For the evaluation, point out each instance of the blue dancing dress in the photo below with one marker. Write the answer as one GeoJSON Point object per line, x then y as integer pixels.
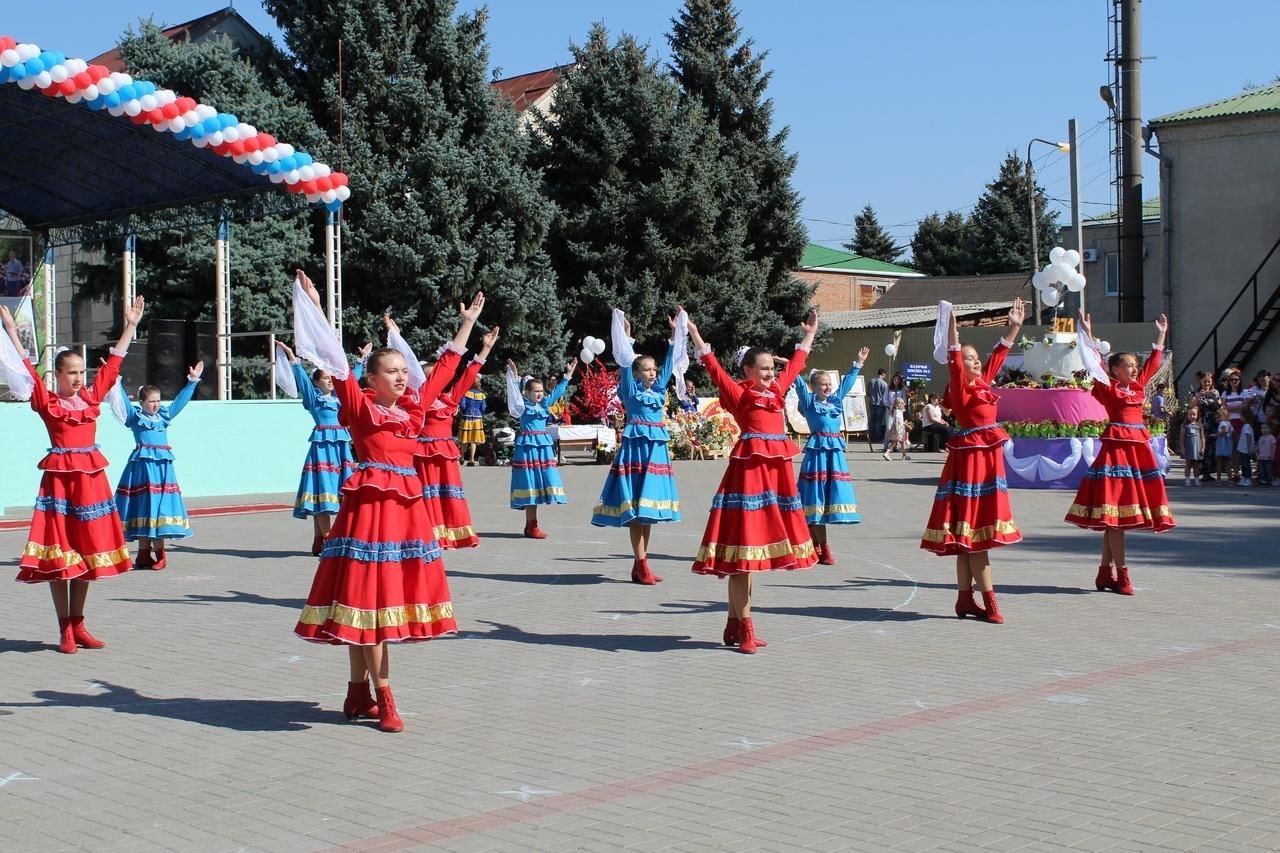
{"type": "Point", "coordinates": [535, 478]}
{"type": "Point", "coordinates": [148, 498]}
{"type": "Point", "coordinates": [329, 460]}
{"type": "Point", "coordinates": [826, 489]}
{"type": "Point", "coordinates": [640, 486]}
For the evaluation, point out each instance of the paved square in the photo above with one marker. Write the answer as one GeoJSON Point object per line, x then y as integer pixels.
{"type": "Point", "coordinates": [580, 712]}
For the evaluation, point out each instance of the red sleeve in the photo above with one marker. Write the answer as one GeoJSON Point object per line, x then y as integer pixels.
{"type": "Point", "coordinates": [350, 398]}
{"type": "Point", "coordinates": [441, 374]}
{"type": "Point", "coordinates": [105, 378]}
{"type": "Point", "coordinates": [730, 393]}
{"type": "Point", "coordinates": [957, 391]}
{"type": "Point", "coordinates": [466, 380]}
{"type": "Point", "coordinates": [995, 361]}
{"type": "Point", "coordinates": [789, 373]}
{"type": "Point", "coordinates": [1149, 369]}
{"type": "Point", "coordinates": [39, 394]}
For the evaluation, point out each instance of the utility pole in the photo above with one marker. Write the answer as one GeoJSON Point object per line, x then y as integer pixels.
{"type": "Point", "coordinates": [1130, 61]}
{"type": "Point", "coordinates": [1077, 227]}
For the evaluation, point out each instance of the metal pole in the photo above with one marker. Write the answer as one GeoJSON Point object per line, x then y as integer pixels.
{"type": "Point", "coordinates": [333, 268]}
{"type": "Point", "coordinates": [50, 310]}
{"type": "Point", "coordinates": [1131, 295]}
{"type": "Point", "coordinates": [1035, 250]}
{"type": "Point", "coordinates": [129, 270]}
{"type": "Point", "coordinates": [222, 306]}
{"type": "Point", "coordinates": [1077, 227]}
{"type": "Point", "coordinates": [271, 360]}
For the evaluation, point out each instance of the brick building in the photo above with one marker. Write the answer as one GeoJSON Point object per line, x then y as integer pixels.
{"type": "Point", "coordinates": [848, 282]}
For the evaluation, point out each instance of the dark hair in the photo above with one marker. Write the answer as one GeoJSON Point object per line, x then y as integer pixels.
{"type": "Point", "coordinates": [63, 356]}
{"type": "Point", "coordinates": [146, 391]}
{"type": "Point", "coordinates": [530, 382]}
{"type": "Point", "coordinates": [317, 373]}
{"type": "Point", "coordinates": [375, 357]}
{"type": "Point", "coordinates": [640, 358]}
{"type": "Point", "coordinates": [1116, 357]}
{"type": "Point", "coordinates": [882, 372]}
{"type": "Point", "coordinates": [897, 381]}
{"type": "Point", "coordinates": [752, 355]}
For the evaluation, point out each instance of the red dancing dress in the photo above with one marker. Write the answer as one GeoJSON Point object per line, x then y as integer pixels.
{"type": "Point", "coordinates": [1124, 487]}
{"type": "Point", "coordinates": [757, 521]}
{"type": "Point", "coordinates": [437, 465]}
{"type": "Point", "coordinates": [971, 509]}
{"type": "Point", "coordinates": [76, 533]}
{"type": "Point", "coordinates": [379, 580]}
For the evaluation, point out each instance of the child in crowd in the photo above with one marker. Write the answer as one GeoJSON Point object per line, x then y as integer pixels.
{"type": "Point", "coordinates": [1192, 446]}
{"type": "Point", "coordinates": [898, 437]}
{"type": "Point", "coordinates": [1266, 457]}
{"type": "Point", "coordinates": [1223, 445]}
{"type": "Point", "coordinates": [1246, 446]}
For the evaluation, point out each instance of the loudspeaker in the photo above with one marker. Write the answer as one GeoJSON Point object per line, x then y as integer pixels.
{"type": "Point", "coordinates": [203, 341]}
{"type": "Point", "coordinates": [166, 356]}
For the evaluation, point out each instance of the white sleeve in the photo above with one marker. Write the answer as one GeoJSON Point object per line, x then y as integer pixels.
{"type": "Point", "coordinates": [624, 351]}
{"type": "Point", "coordinates": [941, 332]}
{"type": "Point", "coordinates": [515, 397]}
{"type": "Point", "coordinates": [1091, 357]}
{"type": "Point", "coordinates": [680, 354]}
{"type": "Point", "coordinates": [284, 374]}
{"type": "Point", "coordinates": [14, 370]}
{"type": "Point", "coordinates": [417, 378]}
{"type": "Point", "coordinates": [316, 340]}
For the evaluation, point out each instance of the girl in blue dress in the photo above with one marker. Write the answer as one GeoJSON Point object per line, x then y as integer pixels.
{"type": "Point", "coordinates": [148, 498]}
{"type": "Point", "coordinates": [535, 479]}
{"type": "Point", "coordinates": [329, 461]}
{"type": "Point", "coordinates": [826, 489]}
{"type": "Point", "coordinates": [640, 490]}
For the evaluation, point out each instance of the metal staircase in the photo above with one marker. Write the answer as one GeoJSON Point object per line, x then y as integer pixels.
{"type": "Point", "coordinates": [1258, 323]}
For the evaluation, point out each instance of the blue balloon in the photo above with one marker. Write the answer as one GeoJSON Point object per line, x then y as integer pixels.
{"type": "Point", "coordinates": [34, 65]}
{"type": "Point", "coordinates": [144, 88]}
{"type": "Point", "coordinates": [183, 134]}
{"type": "Point", "coordinates": [274, 168]}
{"type": "Point", "coordinates": [112, 100]}
{"type": "Point", "coordinates": [260, 168]}
{"type": "Point", "coordinates": [302, 158]}
{"type": "Point", "coordinates": [334, 205]}
{"type": "Point", "coordinates": [126, 93]}
{"type": "Point", "coordinates": [211, 125]}
{"type": "Point", "coordinates": [227, 120]}
{"type": "Point", "coordinates": [197, 130]}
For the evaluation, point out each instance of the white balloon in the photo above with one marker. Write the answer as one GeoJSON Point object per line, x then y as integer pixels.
{"type": "Point", "coordinates": [587, 356]}
{"type": "Point", "coordinates": [205, 111]}
{"type": "Point", "coordinates": [190, 118]}
{"type": "Point", "coordinates": [1076, 283]}
{"type": "Point", "coordinates": [161, 127]}
{"type": "Point", "coordinates": [1056, 254]}
{"type": "Point", "coordinates": [1062, 273]}
{"type": "Point", "coordinates": [587, 341]}
{"type": "Point", "coordinates": [176, 125]}
{"type": "Point", "coordinates": [26, 82]}
{"type": "Point", "coordinates": [200, 141]}
{"type": "Point", "coordinates": [8, 58]}
{"type": "Point", "coordinates": [285, 149]}
{"type": "Point", "coordinates": [276, 177]}
{"type": "Point", "coordinates": [44, 80]}
{"type": "Point", "coordinates": [240, 158]}
{"type": "Point", "coordinates": [73, 98]}
{"type": "Point", "coordinates": [132, 108]}
{"type": "Point", "coordinates": [28, 51]}
{"type": "Point", "coordinates": [148, 102]}
{"type": "Point", "coordinates": [255, 158]}
{"type": "Point", "coordinates": [76, 66]}
{"type": "Point", "coordinates": [322, 170]}
{"type": "Point", "coordinates": [1104, 347]}
{"type": "Point", "coordinates": [292, 177]}
{"type": "Point", "coordinates": [106, 85]}
{"type": "Point", "coordinates": [597, 346]}
{"type": "Point", "coordinates": [1039, 280]}
{"type": "Point", "coordinates": [230, 134]}
{"type": "Point", "coordinates": [165, 97]}
{"type": "Point", "coordinates": [1072, 258]}
{"type": "Point", "coordinates": [91, 92]}
{"type": "Point", "coordinates": [270, 155]}
{"type": "Point", "coordinates": [58, 73]}
{"type": "Point", "coordinates": [214, 138]}
{"type": "Point", "coordinates": [344, 193]}
{"type": "Point", "coordinates": [329, 196]}
{"type": "Point", "coordinates": [313, 197]}
{"type": "Point", "coordinates": [890, 350]}
{"type": "Point", "coordinates": [1050, 296]}
{"type": "Point", "coordinates": [307, 173]}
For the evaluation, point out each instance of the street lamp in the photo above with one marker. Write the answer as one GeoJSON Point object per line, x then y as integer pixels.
{"type": "Point", "coordinates": [1064, 147]}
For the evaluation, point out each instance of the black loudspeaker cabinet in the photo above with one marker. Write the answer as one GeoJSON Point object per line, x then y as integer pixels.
{"type": "Point", "coordinates": [203, 342]}
{"type": "Point", "coordinates": [166, 356]}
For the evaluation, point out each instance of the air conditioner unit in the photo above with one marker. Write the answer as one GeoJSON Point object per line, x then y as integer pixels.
{"type": "Point", "coordinates": [1090, 256]}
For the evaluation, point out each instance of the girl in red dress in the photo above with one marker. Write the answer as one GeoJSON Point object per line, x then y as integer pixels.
{"type": "Point", "coordinates": [438, 453]}
{"type": "Point", "coordinates": [757, 523]}
{"type": "Point", "coordinates": [381, 578]}
{"type": "Point", "coordinates": [76, 535]}
{"type": "Point", "coordinates": [1124, 487]}
{"type": "Point", "coordinates": [971, 512]}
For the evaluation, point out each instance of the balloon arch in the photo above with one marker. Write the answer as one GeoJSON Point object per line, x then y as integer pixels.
{"type": "Point", "coordinates": [183, 119]}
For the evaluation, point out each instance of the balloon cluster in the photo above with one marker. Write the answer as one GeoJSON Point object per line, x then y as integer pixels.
{"type": "Point", "coordinates": [591, 347]}
{"type": "Point", "coordinates": [99, 88]}
{"type": "Point", "coordinates": [1059, 272]}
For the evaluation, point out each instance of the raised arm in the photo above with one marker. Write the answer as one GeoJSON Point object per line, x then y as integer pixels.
{"type": "Point", "coordinates": [850, 378]}
{"type": "Point", "coordinates": [188, 391]}
{"type": "Point", "coordinates": [306, 388]}
{"type": "Point", "coordinates": [1157, 351]}
{"type": "Point", "coordinates": [562, 385]}
{"type": "Point", "coordinates": [442, 373]}
{"type": "Point", "coordinates": [729, 391]}
{"type": "Point", "coordinates": [469, 313]}
{"type": "Point", "coordinates": [515, 394]}
{"type": "Point", "coordinates": [803, 395]}
{"type": "Point", "coordinates": [809, 326]}
{"type": "Point", "coordinates": [996, 360]}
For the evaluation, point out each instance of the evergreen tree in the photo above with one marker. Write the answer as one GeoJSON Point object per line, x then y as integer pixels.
{"type": "Point", "coordinates": [940, 245]}
{"type": "Point", "coordinates": [870, 240]}
{"type": "Point", "coordinates": [999, 236]}
{"type": "Point", "coordinates": [443, 200]}
{"type": "Point", "coordinates": [758, 237]}
{"type": "Point", "coordinates": [175, 269]}
{"type": "Point", "coordinates": [629, 175]}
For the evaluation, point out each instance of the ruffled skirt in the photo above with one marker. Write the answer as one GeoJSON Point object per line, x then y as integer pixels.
{"type": "Point", "coordinates": [756, 523]}
{"type": "Point", "coordinates": [1123, 489]}
{"type": "Point", "coordinates": [446, 502]}
{"type": "Point", "coordinates": [826, 489]}
{"type": "Point", "coordinates": [328, 465]}
{"type": "Point", "coordinates": [971, 510]}
{"type": "Point", "coordinates": [75, 531]}
{"type": "Point", "coordinates": [150, 502]}
{"type": "Point", "coordinates": [640, 486]}
{"type": "Point", "coordinates": [535, 476]}
{"type": "Point", "coordinates": [378, 579]}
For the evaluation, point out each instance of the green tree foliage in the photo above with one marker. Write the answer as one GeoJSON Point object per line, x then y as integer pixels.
{"type": "Point", "coordinates": [999, 233]}
{"type": "Point", "coordinates": [758, 238]}
{"type": "Point", "coordinates": [443, 201]}
{"type": "Point", "coordinates": [939, 246]}
{"type": "Point", "coordinates": [870, 240]}
{"type": "Point", "coordinates": [175, 269]}
{"type": "Point", "coordinates": [631, 177]}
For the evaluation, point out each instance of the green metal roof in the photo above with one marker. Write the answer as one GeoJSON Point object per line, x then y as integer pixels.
{"type": "Point", "coordinates": [816, 256]}
{"type": "Point", "coordinates": [1264, 100]}
{"type": "Point", "coordinates": [1150, 210]}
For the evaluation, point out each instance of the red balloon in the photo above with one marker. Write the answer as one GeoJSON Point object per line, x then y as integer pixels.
{"type": "Point", "coordinates": [250, 144]}
{"type": "Point", "coordinates": [185, 105]}
{"type": "Point", "coordinates": [7, 43]}
{"type": "Point", "coordinates": [265, 141]}
{"type": "Point", "coordinates": [155, 116]}
{"type": "Point", "coordinates": [97, 72]}
{"type": "Point", "coordinates": [67, 87]}
{"type": "Point", "coordinates": [140, 118]}
{"type": "Point", "coordinates": [83, 80]}
{"type": "Point", "coordinates": [324, 184]}
{"type": "Point", "coordinates": [308, 187]}
{"type": "Point", "coordinates": [236, 148]}
{"type": "Point", "coordinates": [171, 111]}
{"type": "Point", "coordinates": [52, 90]}
{"type": "Point", "coordinates": [338, 179]}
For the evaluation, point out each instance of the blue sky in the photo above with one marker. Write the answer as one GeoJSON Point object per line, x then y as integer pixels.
{"type": "Point", "coordinates": [908, 106]}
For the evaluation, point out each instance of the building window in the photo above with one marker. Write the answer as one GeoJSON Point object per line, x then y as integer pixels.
{"type": "Point", "coordinates": [1111, 268]}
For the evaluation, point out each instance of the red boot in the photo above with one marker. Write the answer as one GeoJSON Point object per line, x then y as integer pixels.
{"type": "Point", "coordinates": [388, 718]}
{"type": "Point", "coordinates": [68, 638]}
{"type": "Point", "coordinates": [532, 531]}
{"type": "Point", "coordinates": [747, 642]}
{"type": "Point", "coordinates": [825, 557]}
{"type": "Point", "coordinates": [161, 562]}
{"type": "Point", "coordinates": [317, 545]}
{"type": "Point", "coordinates": [641, 574]}
{"type": "Point", "coordinates": [731, 630]}
{"type": "Point", "coordinates": [81, 635]}
{"type": "Point", "coordinates": [360, 701]}
{"type": "Point", "coordinates": [1123, 585]}
{"type": "Point", "coordinates": [1106, 579]}
{"type": "Point", "coordinates": [144, 560]}
{"type": "Point", "coordinates": [993, 613]}
{"type": "Point", "coordinates": [967, 606]}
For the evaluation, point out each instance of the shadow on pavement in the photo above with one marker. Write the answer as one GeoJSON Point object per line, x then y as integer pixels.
{"type": "Point", "coordinates": [24, 646]}
{"type": "Point", "coordinates": [242, 715]}
{"type": "Point", "coordinates": [600, 642]}
{"type": "Point", "coordinates": [232, 597]}
{"type": "Point", "coordinates": [549, 579]}
{"type": "Point", "coordinates": [1001, 588]}
{"type": "Point", "coordinates": [178, 551]}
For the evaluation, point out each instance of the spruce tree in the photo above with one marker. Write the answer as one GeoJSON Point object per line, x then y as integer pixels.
{"type": "Point", "coordinates": [999, 236]}
{"type": "Point", "coordinates": [940, 245]}
{"type": "Point", "coordinates": [175, 269]}
{"type": "Point", "coordinates": [628, 174]}
{"type": "Point", "coordinates": [443, 202]}
{"type": "Point", "coordinates": [870, 240]}
{"type": "Point", "coordinates": [759, 237]}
